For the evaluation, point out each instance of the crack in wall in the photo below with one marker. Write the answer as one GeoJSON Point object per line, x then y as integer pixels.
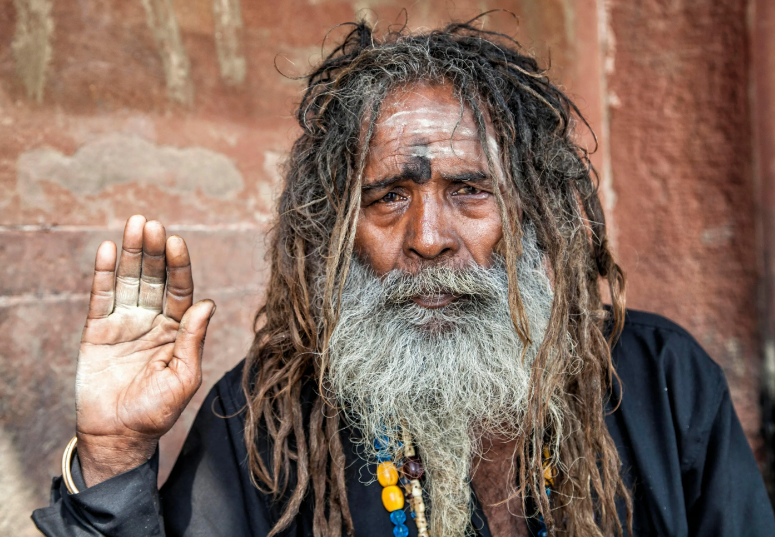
{"type": "Point", "coordinates": [31, 44]}
{"type": "Point", "coordinates": [569, 20]}
{"type": "Point", "coordinates": [228, 41]}
{"type": "Point", "coordinates": [166, 33]}
{"type": "Point", "coordinates": [607, 51]}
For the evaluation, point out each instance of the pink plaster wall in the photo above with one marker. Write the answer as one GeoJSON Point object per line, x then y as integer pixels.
{"type": "Point", "coordinates": [681, 163]}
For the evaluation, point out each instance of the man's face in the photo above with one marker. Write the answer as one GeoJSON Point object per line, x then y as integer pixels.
{"type": "Point", "coordinates": [427, 192]}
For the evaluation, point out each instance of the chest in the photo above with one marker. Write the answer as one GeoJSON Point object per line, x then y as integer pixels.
{"type": "Point", "coordinates": [493, 482]}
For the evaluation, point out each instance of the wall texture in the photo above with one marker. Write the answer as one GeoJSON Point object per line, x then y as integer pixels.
{"type": "Point", "coordinates": [175, 109]}
{"type": "Point", "coordinates": [681, 165]}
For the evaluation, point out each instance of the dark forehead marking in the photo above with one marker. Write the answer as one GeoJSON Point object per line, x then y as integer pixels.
{"type": "Point", "coordinates": [417, 169]}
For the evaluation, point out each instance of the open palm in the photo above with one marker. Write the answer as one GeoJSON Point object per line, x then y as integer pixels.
{"type": "Point", "coordinates": [140, 357]}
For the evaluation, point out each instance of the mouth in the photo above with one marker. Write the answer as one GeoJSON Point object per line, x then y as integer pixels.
{"type": "Point", "coordinates": [434, 301]}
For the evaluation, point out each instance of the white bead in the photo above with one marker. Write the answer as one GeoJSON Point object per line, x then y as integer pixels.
{"type": "Point", "coordinates": [417, 492]}
{"type": "Point", "coordinates": [419, 507]}
{"type": "Point", "coordinates": [407, 439]}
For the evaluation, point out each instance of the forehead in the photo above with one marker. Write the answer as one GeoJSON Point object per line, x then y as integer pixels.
{"type": "Point", "coordinates": [422, 120]}
{"type": "Point", "coordinates": [424, 109]}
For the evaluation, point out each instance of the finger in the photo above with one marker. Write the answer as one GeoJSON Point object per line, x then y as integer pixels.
{"type": "Point", "coordinates": [102, 293]}
{"type": "Point", "coordinates": [154, 271]}
{"type": "Point", "coordinates": [129, 266]}
{"type": "Point", "coordinates": [180, 283]}
{"type": "Point", "coordinates": [187, 354]}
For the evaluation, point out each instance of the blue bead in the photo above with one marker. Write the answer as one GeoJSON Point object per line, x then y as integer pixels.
{"type": "Point", "coordinates": [403, 480]}
{"type": "Point", "coordinates": [398, 517]}
{"type": "Point", "coordinates": [548, 492]}
{"type": "Point", "coordinates": [542, 533]}
{"type": "Point", "coordinates": [401, 531]}
{"type": "Point", "coordinates": [414, 515]}
{"type": "Point", "coordinates": [384, 456]}
{"type": "Point", "coordinates": [381, 442]}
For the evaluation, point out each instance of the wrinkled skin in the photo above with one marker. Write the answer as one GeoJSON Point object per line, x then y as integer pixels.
{"type": "Point", "coordinates": [427, 198]}
{"type": "Point", "coordinates": [138, 366]}
{"type": "Point", "coordinates": [427, 193]}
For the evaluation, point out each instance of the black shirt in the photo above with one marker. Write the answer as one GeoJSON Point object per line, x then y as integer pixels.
{"type": "Point", "coordinates": [684, 457]}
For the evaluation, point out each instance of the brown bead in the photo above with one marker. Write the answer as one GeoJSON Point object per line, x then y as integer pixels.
{"type": "Point", "coordinates": [412, 468]}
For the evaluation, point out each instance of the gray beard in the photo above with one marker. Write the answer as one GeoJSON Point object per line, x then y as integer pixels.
{"type": "Point", "coordinates": [445, 376]}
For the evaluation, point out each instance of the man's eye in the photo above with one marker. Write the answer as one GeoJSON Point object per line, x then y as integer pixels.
{"type": "Point", "coordinates": [466, 190]}
{"type": "Point", "coordinates": [390, 197]}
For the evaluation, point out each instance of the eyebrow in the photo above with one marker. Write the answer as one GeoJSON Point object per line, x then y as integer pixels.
{"type": "Point", "coordinates": [418, 169]}
{"type": "Point", "coordinates": [468, 177]}
{"type": "Point", "coordinates": [412, 173]}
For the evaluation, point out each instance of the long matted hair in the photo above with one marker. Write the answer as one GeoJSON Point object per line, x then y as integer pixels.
{"type": "Point", "coordinates": [547, 174]}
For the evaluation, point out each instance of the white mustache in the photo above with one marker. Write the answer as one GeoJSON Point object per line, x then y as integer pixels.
{"type": "Point", "coordinates": [473, 282]}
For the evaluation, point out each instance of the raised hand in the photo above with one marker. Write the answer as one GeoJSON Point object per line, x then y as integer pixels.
{"type": "Point", "coordinates": [140, 357]}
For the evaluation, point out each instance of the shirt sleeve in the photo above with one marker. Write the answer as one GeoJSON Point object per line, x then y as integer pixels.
{"type": "Point", "coordinates": [126, 505]}
{"type": "Point", "coordinates": [724, 490]}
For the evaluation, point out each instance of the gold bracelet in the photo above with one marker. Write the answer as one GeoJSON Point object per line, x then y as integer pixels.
{"type": "Point", "coordinates": [67, 461]}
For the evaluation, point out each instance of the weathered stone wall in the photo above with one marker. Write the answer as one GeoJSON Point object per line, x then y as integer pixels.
{"type": "Point", "coordinates": [174, 109]}
{"type": "Point", "coordinates": [680, 138]}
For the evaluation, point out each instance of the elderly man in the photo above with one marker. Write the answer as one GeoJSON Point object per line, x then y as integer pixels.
{"type": "Point", "coordinates": [433, 357]}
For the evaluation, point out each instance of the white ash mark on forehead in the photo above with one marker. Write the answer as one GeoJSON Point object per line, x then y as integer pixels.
{"type": "Point", "coordinates": [422, 151]}
{"type": "Point", "coordinates": [426, 118]}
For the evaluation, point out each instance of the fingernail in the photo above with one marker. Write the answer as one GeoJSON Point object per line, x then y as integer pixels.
{"type": "Point", "coordinates": [212, 311]}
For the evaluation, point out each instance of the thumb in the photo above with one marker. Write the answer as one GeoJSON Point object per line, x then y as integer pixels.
{"type": "Point", "coordinates": [187, 353]}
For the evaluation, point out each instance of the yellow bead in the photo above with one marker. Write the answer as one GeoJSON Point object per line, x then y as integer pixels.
{"type": "Point", "coordinates": [387, 474]}
{"type": "Point", "coordinates": [392, 498]}
{"type": "Point", "coordinates": [548, 475]}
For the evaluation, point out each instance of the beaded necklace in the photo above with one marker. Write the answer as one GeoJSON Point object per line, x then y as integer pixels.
{"type": "Point", "coordinates": [411, 472]}
{"type": "Point", "coordinates": [392, 497]}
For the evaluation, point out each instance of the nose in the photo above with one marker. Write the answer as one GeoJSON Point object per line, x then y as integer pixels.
{"type": "Point", "coordinates": [430, 233]}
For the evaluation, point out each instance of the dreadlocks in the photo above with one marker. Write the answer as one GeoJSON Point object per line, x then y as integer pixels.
{"type": "Point", "coordinates": [546, 173]}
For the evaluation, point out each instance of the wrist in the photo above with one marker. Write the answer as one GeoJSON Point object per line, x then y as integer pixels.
{"type": "Point", "coordinates": [103, 457]}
